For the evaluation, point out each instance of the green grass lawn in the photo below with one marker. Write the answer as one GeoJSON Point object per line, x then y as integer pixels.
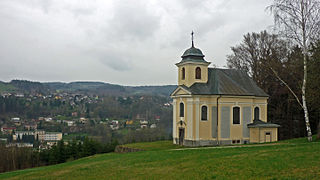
{"type": "Point", "coordinates": [72, 136]}
{"type": "Point", "coordinates": [6, 87]}
{"type": "Point", "coordinates": [297, 159]}
{"type": "Point", "coordinates": [152, 146]}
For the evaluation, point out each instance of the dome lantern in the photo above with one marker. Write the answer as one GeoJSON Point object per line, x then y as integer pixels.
{"type": "Point", "coordinates": [193, 54]}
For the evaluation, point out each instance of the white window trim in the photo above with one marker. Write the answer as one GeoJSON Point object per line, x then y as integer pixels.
{"type": "Point", "coordinates": [195, 73]}
{"type": "Point", "coordinates": [240, 118]}
{"type": "Point", "coordinates": [183, 78]}
{"type": "Point", "coordinates": [259, 112]}
{"type": "Point", "coordinates": [201, 113]}
{"type": "Point", "coordinates": [184, 109]}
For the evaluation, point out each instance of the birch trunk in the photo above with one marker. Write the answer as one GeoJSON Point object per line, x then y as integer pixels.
{"type": "Point", "coordinates": [305, 59]}
{"type": "Point", "coordinates": [304, 101]}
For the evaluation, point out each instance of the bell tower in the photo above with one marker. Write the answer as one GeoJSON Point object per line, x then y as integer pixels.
{"type": "Point", "coordinates": [192, 68]}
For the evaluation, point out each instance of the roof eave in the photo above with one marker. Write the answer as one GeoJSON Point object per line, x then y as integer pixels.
{"type": "Point", "coordinates": [263, 126]}
{"type": "Point", "coordinates": [178, 88]}
{"type": "Point", "coordinates": [192, 62]}
{"type": "Point", "coordinates": [230, 95]}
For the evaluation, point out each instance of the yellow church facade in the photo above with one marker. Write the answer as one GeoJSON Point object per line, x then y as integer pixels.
{"type": "Point", "coordinates": [213, 106]}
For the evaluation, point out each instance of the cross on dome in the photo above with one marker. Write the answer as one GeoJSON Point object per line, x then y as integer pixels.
{"type": "Point", "coordinates": [192, 38]}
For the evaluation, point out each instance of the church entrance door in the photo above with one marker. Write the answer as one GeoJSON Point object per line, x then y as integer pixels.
{"type": "Point", "coordinates": [181, 136]}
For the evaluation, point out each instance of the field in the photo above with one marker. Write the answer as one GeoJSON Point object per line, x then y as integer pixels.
{"type": "Point", "coordinates": [6, 87]}
{"type": "Point", "coordinates": [296, 159]}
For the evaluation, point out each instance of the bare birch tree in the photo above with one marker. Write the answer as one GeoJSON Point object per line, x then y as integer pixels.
{"type": "Point", "coordinates": [299, 21]}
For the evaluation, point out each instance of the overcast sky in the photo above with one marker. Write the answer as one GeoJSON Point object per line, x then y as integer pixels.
{"type": "Point", "coordinates": [127, 42]}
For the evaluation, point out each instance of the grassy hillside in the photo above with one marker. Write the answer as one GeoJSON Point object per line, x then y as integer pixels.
{"type": "Point", "coordinates": [154, 146]}
{"type": "Point", "coordinates": [296, 159]}
{"type": "Point", "coordinates": [5, 87]}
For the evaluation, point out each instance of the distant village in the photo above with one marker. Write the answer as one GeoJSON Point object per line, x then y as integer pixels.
{"type": "Point", "coordinates": [43, 132]}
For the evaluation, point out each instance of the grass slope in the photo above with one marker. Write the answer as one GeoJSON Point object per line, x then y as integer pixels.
{"type": "Point", "coordinates": [5, 87]}
{"type": "Point", "coordinates": [286, 160]}
{"type": "Point", "coordinates": [152, 146]}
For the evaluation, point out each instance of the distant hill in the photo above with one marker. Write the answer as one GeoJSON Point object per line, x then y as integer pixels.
{"type": "Point", "coordinates": [24, 86]}
{"type": "Point", "coordinates": [163, 90]}
{"type": "Point", "coordinates": [87, 87]}
{"type": "Point", "coordinates": [99, 88]}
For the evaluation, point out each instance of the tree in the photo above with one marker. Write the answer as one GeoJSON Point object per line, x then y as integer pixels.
{"type": "Point", "coordinates": [53, 155]}
{"type": "Point", "coordinates": [62, 156]}
{"type": "Point", "coordinates": [313, 88]}
{"type": "Point", "coordinates": [299, 21]}
{"type": "Point", "coordinates": [73, 150]}
{"type": "Point", "coordinates": [256, 55]}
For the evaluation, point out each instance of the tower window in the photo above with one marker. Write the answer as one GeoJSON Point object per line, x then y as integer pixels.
{"type": "Point", "coordinates": [256, 113]}
{"type": "Point", "coordinates": [236, 115]}
{"type": "Point", "coordinates": [181, 109]}
{"type": "Point", "coordinates": [204, 113]}
{"type": "Point", "coordinates": [183, 71]}
{"type": "Point", "coordinates": [198, 73]}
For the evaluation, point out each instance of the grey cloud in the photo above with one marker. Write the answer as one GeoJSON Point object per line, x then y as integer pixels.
{"type": "Point", "coordinates": [193, 5]}
{"type": "Point", "coordinates": [136, 41]}
{"type": "Point", "coordinates": [132, 21]}
{"type": "Point", "coordinates": [80, 11]}
{"type": "Point", "coordinates": [45, 4]}
{"type": "Point", "coordinates": [117, 63]}
{"type": "Point", "coordinates": [110, 58]}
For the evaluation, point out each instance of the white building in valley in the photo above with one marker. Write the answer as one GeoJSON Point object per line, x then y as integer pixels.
{"type": "Point", "coordinates": [53, 136]}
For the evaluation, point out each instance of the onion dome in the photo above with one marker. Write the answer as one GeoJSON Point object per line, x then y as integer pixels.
{"type": "Point", "coordinates": [192, 54]}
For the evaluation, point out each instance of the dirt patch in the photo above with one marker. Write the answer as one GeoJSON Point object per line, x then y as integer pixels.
{"type": "Point", "coordinates": [124, 149]}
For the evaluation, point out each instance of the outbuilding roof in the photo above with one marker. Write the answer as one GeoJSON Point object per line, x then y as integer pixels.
{"type": "Point", "coordinates": [259, 123]}
{"type": "Point", "coordinates": [226, 82]}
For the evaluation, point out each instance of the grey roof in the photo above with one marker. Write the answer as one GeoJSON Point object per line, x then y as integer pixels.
{"type": "Point", "coordinates": [259, 123]}
{"type": "Point", "coordinates": [226, 82]}
{"type": "Point", "coordinates": [193, 55]}
{"type": "Point", "coordinates": [192, 52]}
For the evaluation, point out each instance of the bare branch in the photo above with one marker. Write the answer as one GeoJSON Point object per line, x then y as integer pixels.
{"type": "Point", "coordinates": [292, 92]}
{"type": "Point", "coordinates": [298, 20]}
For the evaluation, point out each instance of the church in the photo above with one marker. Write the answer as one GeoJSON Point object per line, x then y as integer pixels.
{"type": "Point", "coordinates": [213, 106]}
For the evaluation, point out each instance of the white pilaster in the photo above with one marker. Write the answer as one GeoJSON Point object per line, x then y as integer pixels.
{"type": "Point", "coordinates": [197, 105]}
{"type": "Point", "coordinates": [174, 123]}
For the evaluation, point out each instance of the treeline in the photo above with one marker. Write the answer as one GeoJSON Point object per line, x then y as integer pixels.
{"type": "Point", "coordinates": [14, 158]}
{"type": "Point", "coordinates": [258, 55]}
{"type": "Point", "coordinates": [62, 152]}
{"type": "Point", "coordinates": [29, 86]}
{"type": "Point", "coordinates": [27, 108]}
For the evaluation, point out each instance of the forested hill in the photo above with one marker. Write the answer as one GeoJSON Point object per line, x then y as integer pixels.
{"type": "Point", "coordinates": [98, 88]}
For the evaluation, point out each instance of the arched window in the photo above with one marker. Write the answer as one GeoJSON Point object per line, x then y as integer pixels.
{"type": "Point", "coordinates": [198, 73]}
{"type": "Point", "coordinates": [236, 115]}
{"type": "Point", "coordinates": [181, 109]}
{"type": "Point", "coordinates": [256, 113]}
{"type": "Point", "coordinates": [183, 71]}
{"type": "Point", "coordinates": [204, 113]}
